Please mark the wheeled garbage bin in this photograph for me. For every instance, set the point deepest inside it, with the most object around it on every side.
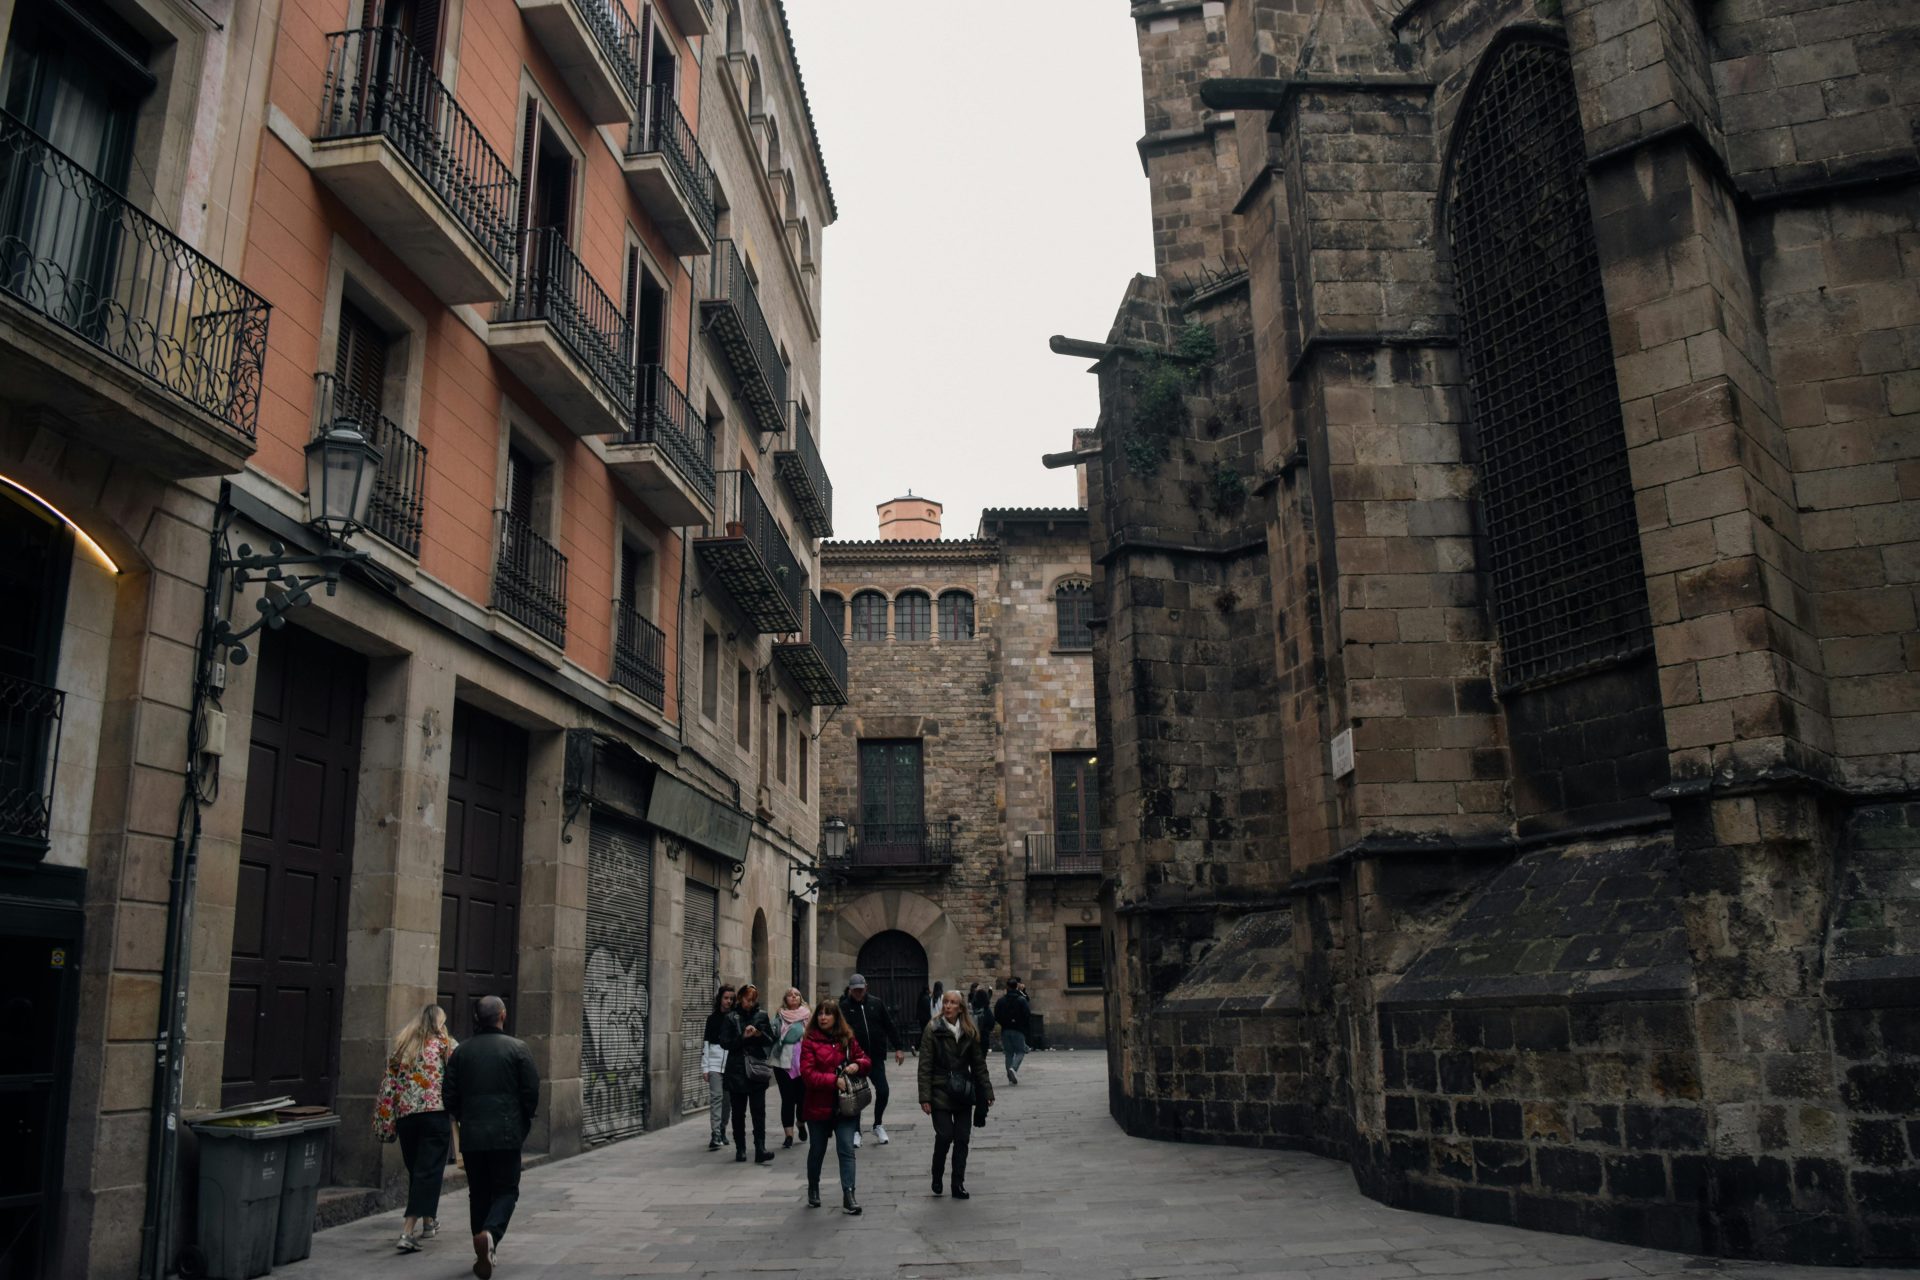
(242, 1170)
(300, 1189)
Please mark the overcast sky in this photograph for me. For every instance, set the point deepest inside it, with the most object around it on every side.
(982, 157)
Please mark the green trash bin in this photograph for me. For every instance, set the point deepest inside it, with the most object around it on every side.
(242, 1171)
(300, 1189)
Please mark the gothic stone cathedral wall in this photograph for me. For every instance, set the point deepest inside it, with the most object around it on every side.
(1628, 951)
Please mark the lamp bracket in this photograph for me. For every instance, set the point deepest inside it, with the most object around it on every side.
(294, 589)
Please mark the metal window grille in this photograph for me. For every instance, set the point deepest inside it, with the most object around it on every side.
(956, 615)
(1567, 589)
(912, 616)
(699, 979)
(870, 616)
(1073, 605)
(836, 612)
(617, 1006)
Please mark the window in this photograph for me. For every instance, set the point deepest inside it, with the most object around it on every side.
(801, 743)
(1073, 608)
(869, 616)
(956, 615)
(836, 610)
(1086, 958)
(743, 706)
(780, 746)
(546, 178)
(710, 675)
(1076, 803)
(360, 359)
(912, 616)
(646, 311)
(636, 577)
(419, 22)
(891, 810)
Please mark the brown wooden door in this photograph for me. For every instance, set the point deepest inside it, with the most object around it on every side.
(296, 861)
(480, 892)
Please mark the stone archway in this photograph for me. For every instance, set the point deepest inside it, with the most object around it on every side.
(875, 913)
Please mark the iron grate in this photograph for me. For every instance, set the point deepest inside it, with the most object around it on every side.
(1563, 551)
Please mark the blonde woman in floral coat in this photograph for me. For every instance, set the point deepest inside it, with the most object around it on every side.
(410, 1110)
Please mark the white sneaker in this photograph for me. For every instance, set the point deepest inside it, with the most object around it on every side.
(856, 1137)
(880, 1134)
(407, 1244)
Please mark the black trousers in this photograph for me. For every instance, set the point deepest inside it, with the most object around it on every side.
(791, 1091)
(881, 1090)
(493, 1188)
(952, 1129)
(425, 1138)
(754, 1100)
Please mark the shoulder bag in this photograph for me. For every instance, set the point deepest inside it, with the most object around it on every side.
(856, 1095)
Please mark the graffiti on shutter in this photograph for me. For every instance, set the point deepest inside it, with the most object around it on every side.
(700, 978)
(613, 1044)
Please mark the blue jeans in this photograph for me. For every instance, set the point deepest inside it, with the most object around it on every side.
(1014, 1045)
(840, 1130)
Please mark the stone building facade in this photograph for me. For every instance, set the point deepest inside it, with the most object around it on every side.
(963, 765)
(1502, 514)
(560, 262)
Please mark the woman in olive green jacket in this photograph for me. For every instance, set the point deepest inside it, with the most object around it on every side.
(955, 1088)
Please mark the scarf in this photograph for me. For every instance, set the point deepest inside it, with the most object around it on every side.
(952, 1027)
(788, 1017)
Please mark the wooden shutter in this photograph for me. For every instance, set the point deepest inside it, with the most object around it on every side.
(521, 474)
(633, 301)
(529, 164)
(630, 560)
(360, 359)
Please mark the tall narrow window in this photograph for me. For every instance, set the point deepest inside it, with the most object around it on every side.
(956, 615)
(892, 815)
(1076, 804)
(780, 745)
(836, 610)
(1566, 581)
(802, 745)
(869, 616)
(418, 21)
(523, 483)
(360, 359)
(710, 675)
(743, 707)
(1073, 610)
(1086, 958)
(912, 616)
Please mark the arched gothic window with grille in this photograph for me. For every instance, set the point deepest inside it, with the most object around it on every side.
(956, 615)
(1566, 587)
(912, 616)
(1073, 610)
(869, 616)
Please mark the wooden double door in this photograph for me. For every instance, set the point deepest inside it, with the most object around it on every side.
(480, 887)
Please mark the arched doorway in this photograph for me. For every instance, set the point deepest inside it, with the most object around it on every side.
(760, 976)
(895, 967)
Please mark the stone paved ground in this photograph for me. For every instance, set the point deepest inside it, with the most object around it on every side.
(1058, 1191)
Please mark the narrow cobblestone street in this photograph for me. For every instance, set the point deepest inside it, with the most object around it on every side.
(1058, 1190)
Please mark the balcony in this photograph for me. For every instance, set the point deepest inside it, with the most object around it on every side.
(797, 460)
(529, 579)
(139, 344)
(691, 17)
(667, 458)
(880, 847)
(730, 311)
(595, 46)
(669, 175)
(818, 665)
(30, 716)
(563, 336)
(398, 506)
(1055, 854)
(399, 152)
(639, 656)
(744, 552)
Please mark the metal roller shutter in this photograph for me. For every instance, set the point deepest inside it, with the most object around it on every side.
(613, 1043)
(700, 976)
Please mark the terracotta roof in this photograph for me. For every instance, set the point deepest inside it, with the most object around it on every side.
(813, 133)
(1062, 514)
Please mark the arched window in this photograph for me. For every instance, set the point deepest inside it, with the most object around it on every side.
(736, 32)
(912, 616)
(1563, 552)
(869, 616)
(754, 106)
(1073, 610)
(773, 145)
(956, 615)
(836, 610)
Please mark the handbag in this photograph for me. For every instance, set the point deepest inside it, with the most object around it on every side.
(759, 1070)
(960, 1086)
(856, 1095)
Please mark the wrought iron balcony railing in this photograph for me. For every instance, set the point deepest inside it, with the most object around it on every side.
(880, 845)
(529, 578)
(398, 508)
(30, 718)
(639, 655)
(77, 253)
(665, 418)
(618, 36)
(1053, 853)
(798, 461)
(550, 284)
(731, 311)
(747, 553)
(662, 130)
(379, 85)
(818, 664)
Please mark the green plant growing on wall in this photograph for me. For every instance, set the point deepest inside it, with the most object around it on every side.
(1161, 385)
(1229, 488)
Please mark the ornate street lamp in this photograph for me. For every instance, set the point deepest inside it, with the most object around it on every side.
(833, 840)
(341, 465)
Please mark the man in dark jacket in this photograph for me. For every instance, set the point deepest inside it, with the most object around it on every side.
(492, 1090)
(1013, 1016)
(873, 1027)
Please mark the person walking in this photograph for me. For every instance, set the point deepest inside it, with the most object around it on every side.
(791, 1028)
(492, 1091)
(411, 1110)
(872, 1025)
(1012, 1013)
(981, 1001)
(955, 1087)
(713, 1063)
(933, 1005)
(828, 1054)
(748, 1040)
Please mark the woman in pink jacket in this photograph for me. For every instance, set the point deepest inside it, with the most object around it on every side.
(829, 1049)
